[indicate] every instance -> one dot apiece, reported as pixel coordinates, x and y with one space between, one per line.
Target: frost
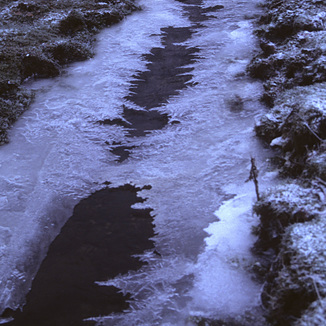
292 229
5 235
292 198
299 272
278 141
306 245
297 124
314 315
62 152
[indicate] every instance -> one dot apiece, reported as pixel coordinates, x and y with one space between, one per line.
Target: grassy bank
39 37
291 241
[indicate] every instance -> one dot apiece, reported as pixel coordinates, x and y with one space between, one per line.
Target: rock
69 51
281 207
38 66
316 163
267 128
260 68
278 142
102 19
314 315
267 47
292 217
296 283
73 23
293 40
299 119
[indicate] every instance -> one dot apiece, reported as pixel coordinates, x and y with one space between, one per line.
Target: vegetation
291 243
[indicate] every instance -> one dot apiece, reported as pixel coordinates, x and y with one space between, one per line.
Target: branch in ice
253 176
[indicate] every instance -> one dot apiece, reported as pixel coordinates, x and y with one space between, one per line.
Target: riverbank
38 39
291 243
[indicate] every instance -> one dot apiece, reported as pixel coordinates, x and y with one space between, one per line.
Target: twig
305 123
307 126
295 112
254 175
317 291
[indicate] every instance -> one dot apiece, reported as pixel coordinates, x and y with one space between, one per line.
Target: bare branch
253 176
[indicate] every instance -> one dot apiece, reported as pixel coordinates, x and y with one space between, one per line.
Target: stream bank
291 242
38 39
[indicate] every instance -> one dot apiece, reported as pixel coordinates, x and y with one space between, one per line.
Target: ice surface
221 283
58 155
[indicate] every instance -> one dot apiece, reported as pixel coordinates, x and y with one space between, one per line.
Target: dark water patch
138 123
168 71
97 243
122 152
192 2
176 34
144 121
115 122
165 75
196 13
213 9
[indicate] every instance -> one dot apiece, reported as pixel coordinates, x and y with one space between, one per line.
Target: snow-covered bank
39 38
291 232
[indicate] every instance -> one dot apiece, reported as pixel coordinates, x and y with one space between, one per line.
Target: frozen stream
197 168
